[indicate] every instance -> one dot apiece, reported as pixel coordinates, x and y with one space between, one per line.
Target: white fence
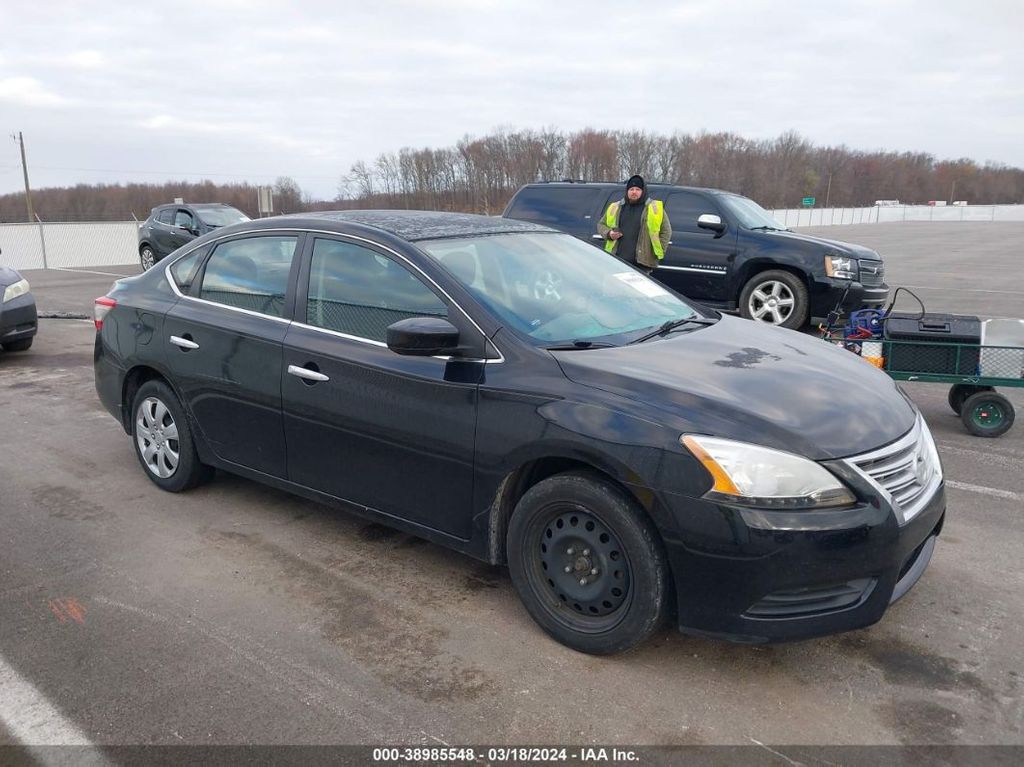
38 246
880 214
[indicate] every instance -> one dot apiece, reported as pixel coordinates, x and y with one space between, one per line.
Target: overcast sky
248 90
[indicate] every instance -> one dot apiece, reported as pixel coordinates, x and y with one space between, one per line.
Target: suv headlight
841 267
763 478
19 288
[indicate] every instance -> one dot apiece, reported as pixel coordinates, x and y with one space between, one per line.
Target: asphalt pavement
237 614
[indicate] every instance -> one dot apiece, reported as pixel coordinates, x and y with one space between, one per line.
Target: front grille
872 273
798 603
904 471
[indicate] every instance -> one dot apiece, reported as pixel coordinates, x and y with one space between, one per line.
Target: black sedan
512 393
18 321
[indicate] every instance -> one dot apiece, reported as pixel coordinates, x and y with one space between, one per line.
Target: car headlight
763 478
841 267
19 288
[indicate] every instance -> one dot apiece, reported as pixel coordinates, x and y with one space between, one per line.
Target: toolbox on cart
943 344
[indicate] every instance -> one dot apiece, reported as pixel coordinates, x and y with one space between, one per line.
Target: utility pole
828 192
24 170
952 191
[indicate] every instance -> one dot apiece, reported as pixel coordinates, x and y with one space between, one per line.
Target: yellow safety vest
655 215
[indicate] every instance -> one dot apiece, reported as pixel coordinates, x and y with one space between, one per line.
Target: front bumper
18 319
848 296
756 577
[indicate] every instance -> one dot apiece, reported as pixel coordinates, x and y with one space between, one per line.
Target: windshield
225 216
749 213
556 289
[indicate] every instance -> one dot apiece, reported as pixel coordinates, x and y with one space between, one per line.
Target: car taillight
101 308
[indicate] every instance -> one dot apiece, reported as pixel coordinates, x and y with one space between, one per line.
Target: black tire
152 426
582 522
775 297
147 257
987 414
18 346
958 394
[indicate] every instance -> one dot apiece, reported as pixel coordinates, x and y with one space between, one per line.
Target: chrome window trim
213 242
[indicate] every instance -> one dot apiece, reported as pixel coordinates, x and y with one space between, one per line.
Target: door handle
306 374
596 237
184 343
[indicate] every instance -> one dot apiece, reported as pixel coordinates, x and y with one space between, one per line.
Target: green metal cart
974 370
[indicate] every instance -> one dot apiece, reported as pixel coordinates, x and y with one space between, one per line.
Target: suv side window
359 292
250 273
684 208
559 206
166 216
184 219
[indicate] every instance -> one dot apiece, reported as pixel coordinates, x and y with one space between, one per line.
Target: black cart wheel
958 394
987 414
588 564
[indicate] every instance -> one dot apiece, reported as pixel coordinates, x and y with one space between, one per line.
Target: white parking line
1007 494
27 715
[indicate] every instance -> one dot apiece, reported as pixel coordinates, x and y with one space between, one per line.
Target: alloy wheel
771 302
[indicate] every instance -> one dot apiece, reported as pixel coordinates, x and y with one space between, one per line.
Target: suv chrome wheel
771 302
157 437
148 258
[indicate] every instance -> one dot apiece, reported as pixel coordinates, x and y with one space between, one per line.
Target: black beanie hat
636 181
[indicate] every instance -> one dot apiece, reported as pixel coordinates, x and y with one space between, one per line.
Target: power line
177 172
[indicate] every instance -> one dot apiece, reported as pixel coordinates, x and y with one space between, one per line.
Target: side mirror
712 222
423 337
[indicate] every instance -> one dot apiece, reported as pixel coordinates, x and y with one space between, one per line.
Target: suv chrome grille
872 273
905 471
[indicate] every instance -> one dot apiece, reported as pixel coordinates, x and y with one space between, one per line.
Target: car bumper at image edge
781 585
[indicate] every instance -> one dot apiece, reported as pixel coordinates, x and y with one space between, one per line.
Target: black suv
171 226
726 251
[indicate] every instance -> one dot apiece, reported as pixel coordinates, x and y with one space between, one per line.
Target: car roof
622 185
412 225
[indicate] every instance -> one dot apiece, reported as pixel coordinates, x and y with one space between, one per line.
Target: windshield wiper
766 228
668 327
579 344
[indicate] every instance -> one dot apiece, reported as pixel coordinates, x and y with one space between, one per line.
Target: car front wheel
163 439
776 297
588 564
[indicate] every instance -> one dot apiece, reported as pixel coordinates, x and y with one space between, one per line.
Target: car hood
747 381
832 246
8 276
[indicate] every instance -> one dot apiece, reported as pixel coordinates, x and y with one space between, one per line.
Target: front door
223 349
389 432
697 263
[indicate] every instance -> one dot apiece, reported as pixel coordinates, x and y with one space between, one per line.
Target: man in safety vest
636 228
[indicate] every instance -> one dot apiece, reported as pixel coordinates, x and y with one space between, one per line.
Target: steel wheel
157 437
148 258
580 569
588 563
987 414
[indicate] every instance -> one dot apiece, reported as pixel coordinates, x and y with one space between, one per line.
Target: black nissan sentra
513 393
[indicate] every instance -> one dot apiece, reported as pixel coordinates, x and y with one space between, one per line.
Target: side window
166 216
684 208
559 206
184 219
359 292
184 270
250 273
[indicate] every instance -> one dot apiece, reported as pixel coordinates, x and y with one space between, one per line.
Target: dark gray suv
171 226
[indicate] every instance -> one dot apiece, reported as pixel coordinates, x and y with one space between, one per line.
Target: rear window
557 206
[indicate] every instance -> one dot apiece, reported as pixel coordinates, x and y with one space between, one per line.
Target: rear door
697 263
223 347
390 432
161 231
